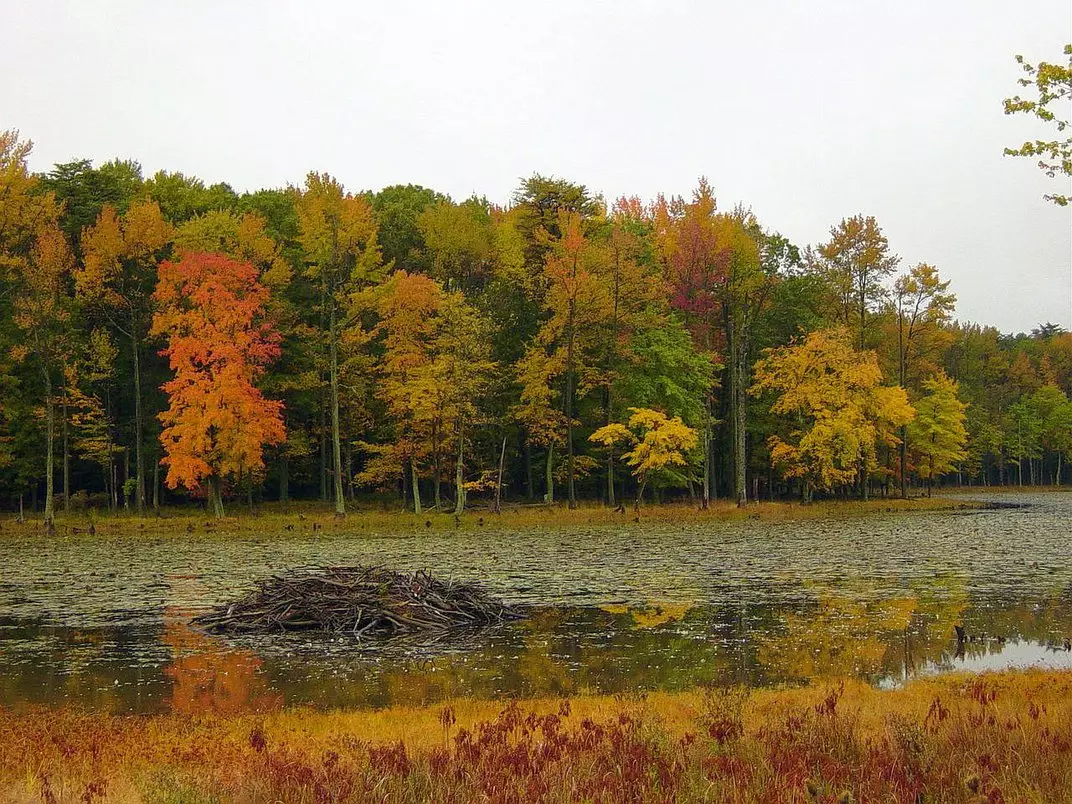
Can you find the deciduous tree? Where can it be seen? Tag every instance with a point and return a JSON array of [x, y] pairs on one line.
[[656, 443], [211, 311]]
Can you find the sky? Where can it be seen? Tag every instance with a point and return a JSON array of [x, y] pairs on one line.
[[806, 112]]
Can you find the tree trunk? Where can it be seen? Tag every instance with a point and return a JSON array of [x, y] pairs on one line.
[[571, 490], [416, 487], [705, 497], [139, 428], [66, 459], [126, 477], [459, 472], [50, 437], [156, 485], [639, 495], [549, 493], [437, 472], [498, 484], [284, 478], [336, 441], [739, 414], [323, 454], [530, 481], [215, 496]]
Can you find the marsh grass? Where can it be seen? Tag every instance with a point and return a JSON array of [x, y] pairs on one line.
[[305, 519], [996, 737]]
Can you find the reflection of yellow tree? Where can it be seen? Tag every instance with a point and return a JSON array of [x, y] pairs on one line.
[[207, 678], [651, 615], [842, 637], [939, 606], [855, 632]]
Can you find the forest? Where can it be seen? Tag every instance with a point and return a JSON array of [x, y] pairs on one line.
[[164, 341]]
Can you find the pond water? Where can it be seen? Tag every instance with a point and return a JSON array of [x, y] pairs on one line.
[[104, 622]]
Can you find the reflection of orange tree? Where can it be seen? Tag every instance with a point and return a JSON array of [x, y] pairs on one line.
[[209, 678]]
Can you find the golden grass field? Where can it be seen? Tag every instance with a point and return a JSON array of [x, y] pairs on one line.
[[955, 738]]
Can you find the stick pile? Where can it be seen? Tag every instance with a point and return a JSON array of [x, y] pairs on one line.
[[363, 601]]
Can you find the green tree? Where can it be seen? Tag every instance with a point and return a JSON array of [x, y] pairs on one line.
[[341, 255], [937, 434], [923, 304]]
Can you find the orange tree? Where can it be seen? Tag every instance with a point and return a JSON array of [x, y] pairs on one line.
[[211, 311]]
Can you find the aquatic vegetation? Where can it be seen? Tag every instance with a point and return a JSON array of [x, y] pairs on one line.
[[996, 737]]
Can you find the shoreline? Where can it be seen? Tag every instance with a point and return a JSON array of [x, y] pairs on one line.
[[304, 518]]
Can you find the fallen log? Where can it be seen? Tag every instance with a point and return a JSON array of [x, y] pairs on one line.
[[362, 601]]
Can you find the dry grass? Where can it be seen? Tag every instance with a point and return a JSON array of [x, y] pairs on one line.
[[998, 737]]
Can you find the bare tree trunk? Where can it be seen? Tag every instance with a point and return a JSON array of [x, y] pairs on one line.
[[66, 459], [639, 495], [139, 427], [284, 478], [156, 485], [549, 493], [530, 482], [50, 437], [323, 454], [336, 441], [459, 472], [705, 497], [739, 403], [416, 487], [498, 484]]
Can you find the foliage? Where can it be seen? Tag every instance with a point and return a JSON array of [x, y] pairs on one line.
[[839, 411], [656, 443], [210, 310], [1053, 85], [937, 435]]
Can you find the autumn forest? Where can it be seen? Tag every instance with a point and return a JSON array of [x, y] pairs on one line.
[[167, 342]]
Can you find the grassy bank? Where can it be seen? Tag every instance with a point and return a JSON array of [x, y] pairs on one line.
[[997, 737], [307, 517]]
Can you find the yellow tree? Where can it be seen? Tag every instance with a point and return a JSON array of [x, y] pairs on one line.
[[836, 408], [41, 310], [937, 435], [338, 237], [35, 269], [459, 375], [856, 262], [1053, 85], [656, 444], [406, 305], [924, 305], [120, 256]]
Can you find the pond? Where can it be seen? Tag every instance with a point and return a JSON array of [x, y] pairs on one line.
[[104, 622]]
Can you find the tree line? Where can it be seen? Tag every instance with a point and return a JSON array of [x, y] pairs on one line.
[[162, 340]]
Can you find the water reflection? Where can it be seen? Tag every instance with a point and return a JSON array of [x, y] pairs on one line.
[[666, 607], [556, 651]]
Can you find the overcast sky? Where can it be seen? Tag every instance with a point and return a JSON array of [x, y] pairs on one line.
[[808, 112]]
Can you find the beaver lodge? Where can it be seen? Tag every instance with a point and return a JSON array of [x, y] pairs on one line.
[[363, 601]]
